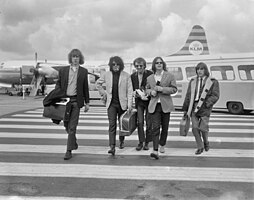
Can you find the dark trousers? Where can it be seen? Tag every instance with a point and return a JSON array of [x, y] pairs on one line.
[[114, 113], [142, 113], [159, 120], [72, 125]]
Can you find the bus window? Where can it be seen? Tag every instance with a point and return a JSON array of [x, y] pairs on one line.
[[177, 71], [246, 72], [223, 72], [190, 72]]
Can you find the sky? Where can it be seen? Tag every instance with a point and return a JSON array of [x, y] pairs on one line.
[[126, 28]]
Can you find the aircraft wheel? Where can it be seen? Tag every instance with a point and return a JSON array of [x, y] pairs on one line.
[[10, 94], [235, 107]]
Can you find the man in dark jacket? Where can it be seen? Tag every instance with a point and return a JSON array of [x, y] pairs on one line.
[[138, 79], [202, 93], [73, 83]]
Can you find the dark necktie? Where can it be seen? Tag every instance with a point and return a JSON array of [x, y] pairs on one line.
[[200, 87]]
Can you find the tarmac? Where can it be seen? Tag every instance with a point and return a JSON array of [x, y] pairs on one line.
[[12, 104]]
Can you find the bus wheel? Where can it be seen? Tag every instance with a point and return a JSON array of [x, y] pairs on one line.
[[235, 107]]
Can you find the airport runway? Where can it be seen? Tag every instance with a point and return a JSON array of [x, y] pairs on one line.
[[32, 165]]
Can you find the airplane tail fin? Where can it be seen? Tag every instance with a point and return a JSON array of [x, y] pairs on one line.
[[196, 43]]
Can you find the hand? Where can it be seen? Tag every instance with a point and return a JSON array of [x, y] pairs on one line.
[[86, 108], [129, 109], [158, 88], [153, 93]]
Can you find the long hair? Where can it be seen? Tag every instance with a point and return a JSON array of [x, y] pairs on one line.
[[76, 52], [154, 62], [139, 60], [204, 66], [117, 60]]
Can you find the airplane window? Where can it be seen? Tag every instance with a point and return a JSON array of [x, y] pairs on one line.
[[246, 72]]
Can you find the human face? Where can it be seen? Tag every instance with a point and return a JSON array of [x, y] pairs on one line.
[[75, 59], [159, 65], [201, 71], [115, 67], [140, 67]]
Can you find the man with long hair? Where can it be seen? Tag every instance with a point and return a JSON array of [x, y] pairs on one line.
[[73, 83], [202, 93], [117, 97]]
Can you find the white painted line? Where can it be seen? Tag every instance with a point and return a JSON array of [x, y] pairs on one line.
[[128, 151], [128, 172], [96, 116], [106, 121], [105, 128], [85, 136]]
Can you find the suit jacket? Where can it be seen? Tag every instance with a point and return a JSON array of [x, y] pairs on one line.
[[125, 90], [135, 84], [210, 93], [168, 83], [82, 84]]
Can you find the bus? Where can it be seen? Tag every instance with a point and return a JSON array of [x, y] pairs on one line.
[[235, 73]]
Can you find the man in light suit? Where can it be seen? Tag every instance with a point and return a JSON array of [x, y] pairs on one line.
[[160, 86], [117, 97]]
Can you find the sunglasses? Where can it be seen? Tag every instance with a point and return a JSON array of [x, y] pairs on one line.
[[115, 64], [75, 56], [137, 66], [159, 63]]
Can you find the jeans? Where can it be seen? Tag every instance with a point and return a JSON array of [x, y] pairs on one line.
[[142, 114], [159, 120], [72, 126], [114, 113]]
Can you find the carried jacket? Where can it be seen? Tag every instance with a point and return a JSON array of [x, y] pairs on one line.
[[210, 93], [61, 87]]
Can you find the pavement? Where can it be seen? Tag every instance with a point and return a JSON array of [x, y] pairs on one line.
[[12, 104]]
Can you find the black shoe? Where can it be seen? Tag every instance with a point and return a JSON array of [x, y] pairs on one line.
[[199, 151], [112, 150], [146, 146], [154, 155], [121, 146], [68, 155], [207, 147], [140, 146]]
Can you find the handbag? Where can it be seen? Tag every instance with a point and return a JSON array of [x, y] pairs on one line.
[[184, 125], [128, 123]]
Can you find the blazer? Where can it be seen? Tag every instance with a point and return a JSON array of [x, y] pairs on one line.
[[168, 83], [210, 93], [125, 90], [135, 84], [82, 84]]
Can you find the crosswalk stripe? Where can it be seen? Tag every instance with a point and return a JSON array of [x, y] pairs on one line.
[[127, 151], [106, 121], [86, 136], [128, 172], [106, 117], [105, 128], [172, 114]]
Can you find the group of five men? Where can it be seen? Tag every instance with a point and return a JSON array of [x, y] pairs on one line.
[[152, 91]]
